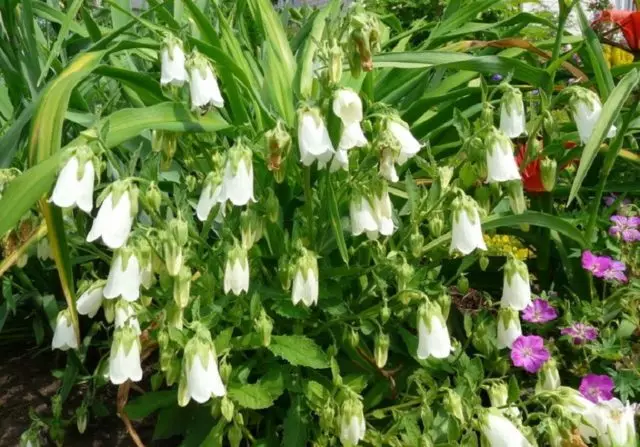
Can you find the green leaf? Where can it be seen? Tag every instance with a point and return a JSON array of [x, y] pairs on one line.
[[265, 15], [317, 394], [304, 74], [610, 111], [120, 18], [336, 223], [149, 403], [299, 350], [256, 396], [604, 79], [295, 426]]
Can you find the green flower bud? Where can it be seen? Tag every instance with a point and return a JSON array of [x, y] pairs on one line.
[[463, 284], [335, 64], [235, 435], [225, 370], [516, 197], [354, 338], [468, 174], [436, 225], [444, 301], [453, 404], [278, 144], [416, 241], [227, 408], [548, 171], [381, 349], [191, 182], [182, 287], [264, 327], [385, 313], [484, 263], [154, 196], [81, 418], [179, 230], [272, 206]]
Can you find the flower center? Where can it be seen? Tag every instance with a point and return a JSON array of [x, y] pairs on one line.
[[527, 352]]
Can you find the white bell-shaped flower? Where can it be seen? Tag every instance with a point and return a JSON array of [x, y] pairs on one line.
[[516, 290], [340, 161], [64, 337], [43, 251], [124, 360], [172, 63], [75, 181], [512, 117], [236, 271], [588, 412], [501, 432], [352, 423], [201, 379], [347, 106], [388, 167], [125, 316], [352, 136], [362, 217], [383, 213], [433, 335], [115, 216], [616, 424], [212, 195], [90, 301], [409, 146], [305, 282], [466, 231], [203, 84], [237, 182], [501, 164], [124, 277], [548, 376], [585, 108], [313, 138], [508, 327]]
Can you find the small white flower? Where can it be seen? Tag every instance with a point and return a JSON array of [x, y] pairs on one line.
[[125, 316], [516, 291], [124, 361], [75, 186], [202, 376], [115, 218], [305, 282], [64, 337], [512, 117], [466, 232], [236, 271], [203, 85], [508, 327], [347, 106], [409, 146], [433, 335], [124, 277], [501, 432], [313, 139], [362, 217], [212, 194], [90, 301], [340, 161], [352, 136], [501, 164], [616, 424], [586, 107], [352, 423], [172, 62], [237, 182], [387, 167], [383, 212], [173, 257], [44, 249]]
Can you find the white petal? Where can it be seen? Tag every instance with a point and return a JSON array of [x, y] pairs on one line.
[[85, 188], [197, 381], [352, 136], [238, 187], [388, 169], [173, 69], [507, 335], [347, 106], [512, 121], [89, 302], [409, 146], [501, 164], [311, 289], [116, 232], [515, 293], [102, 220], [131, 280], [313, 137], [64, 337], [66, 190], [298, 288], [340, 161], [466, 235], [423, 343], [213, 377], [204, 91]]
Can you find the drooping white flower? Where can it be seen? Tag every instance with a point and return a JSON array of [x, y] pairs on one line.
[[409, 146], [616, 424], [352, 136], [508, 327], [583, 408], [125, 316], [124, 276], [124, 360], [212, 195], [586, 107], [466, 231], [75, 181], [512, 117], [501, 164], [516, 290], [115, 216], [501, 432], [172, 62], [64, 337], [305, 282], [236, 271], [362, 217], [313, 138], [203, 84], [237, 182], [383, 213], [44, 249], [201, 379], [387, 167], [347, 106], [352, 423], [340, 161], [90, 301], [433, 335]]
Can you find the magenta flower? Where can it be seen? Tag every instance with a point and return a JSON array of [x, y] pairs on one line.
[[539, 311], [596, 387], [615, 271], [580, 333], [595, 264], [529, 353], [625, 228]]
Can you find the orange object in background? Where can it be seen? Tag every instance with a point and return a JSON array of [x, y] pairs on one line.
[[629, 23]]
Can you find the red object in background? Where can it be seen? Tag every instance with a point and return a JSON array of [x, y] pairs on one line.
[[628, 21], [531, 175]]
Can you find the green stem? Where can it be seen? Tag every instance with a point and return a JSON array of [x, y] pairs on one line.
[[544, 248], [308, 199]]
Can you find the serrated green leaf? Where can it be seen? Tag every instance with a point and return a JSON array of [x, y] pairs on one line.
[[316, 393], [295, 426], [256, 396], [299, 351]]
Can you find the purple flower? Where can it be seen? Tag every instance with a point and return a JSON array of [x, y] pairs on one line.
[[615, 271], [528, 352], [596, 387], [611, 199], [580, 333], [539, 311], [595, 264], [496, 77], [625, 227]]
